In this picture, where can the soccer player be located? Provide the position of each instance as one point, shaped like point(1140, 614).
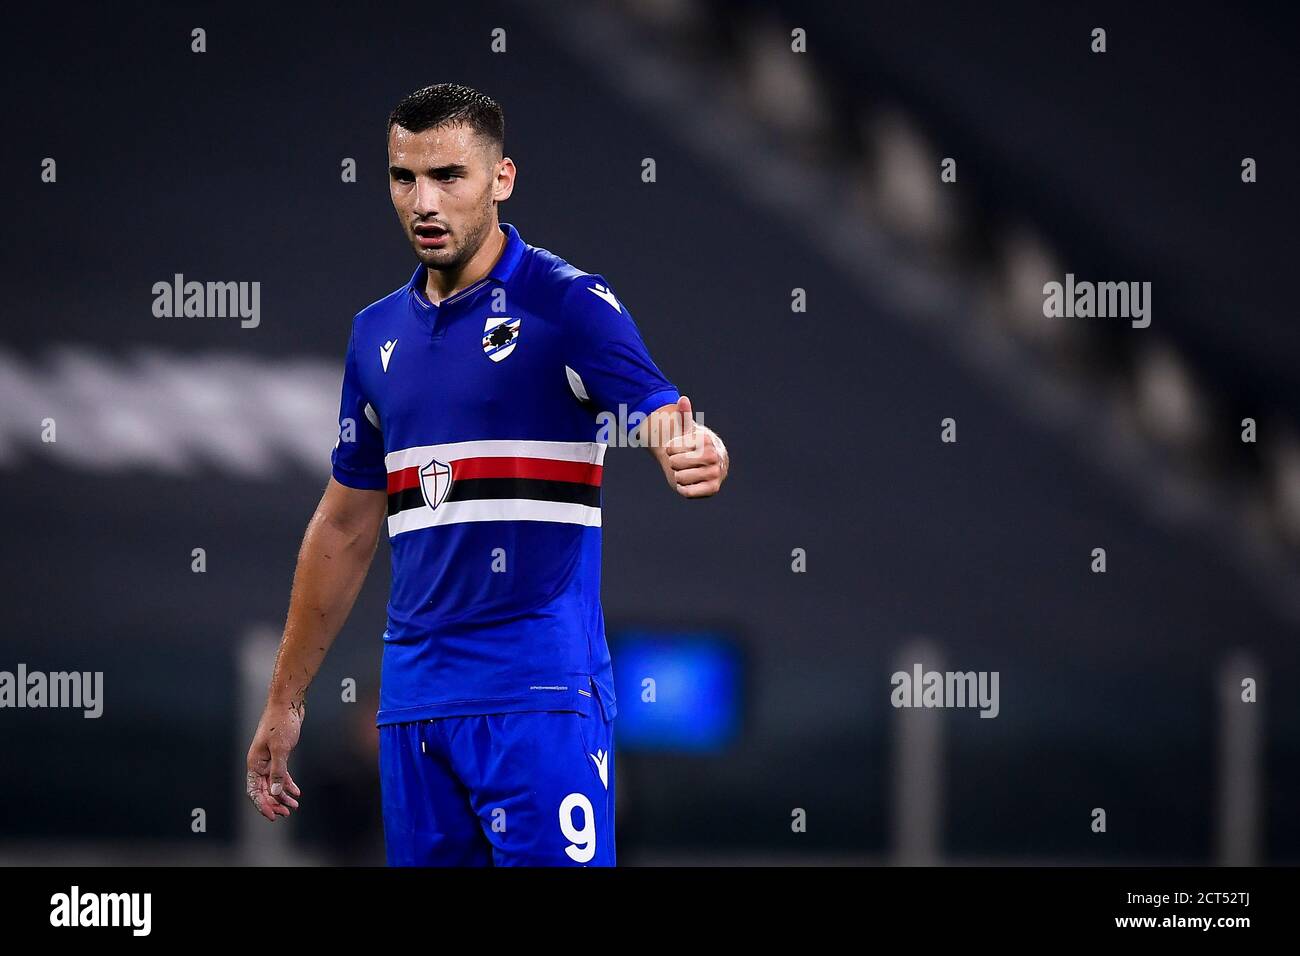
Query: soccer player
point(477, 405)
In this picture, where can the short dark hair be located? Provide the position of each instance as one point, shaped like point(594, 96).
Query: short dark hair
point(444, 104)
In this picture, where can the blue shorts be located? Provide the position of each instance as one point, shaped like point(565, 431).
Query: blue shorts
point(520, 789)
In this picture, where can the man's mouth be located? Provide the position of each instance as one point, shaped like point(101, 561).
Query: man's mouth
point(429, 236)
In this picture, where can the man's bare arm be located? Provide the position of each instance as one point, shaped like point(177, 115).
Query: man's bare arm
point(335, 557)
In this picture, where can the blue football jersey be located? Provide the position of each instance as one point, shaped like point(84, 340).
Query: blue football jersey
point(481, 418)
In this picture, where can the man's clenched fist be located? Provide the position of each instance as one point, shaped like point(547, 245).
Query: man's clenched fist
point(697, 462)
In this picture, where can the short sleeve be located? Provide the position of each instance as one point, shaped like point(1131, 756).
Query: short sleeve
point(358, 456)
point(608, 363)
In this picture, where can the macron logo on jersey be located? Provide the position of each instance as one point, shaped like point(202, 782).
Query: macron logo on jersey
point(604, 293)
point(386, 352)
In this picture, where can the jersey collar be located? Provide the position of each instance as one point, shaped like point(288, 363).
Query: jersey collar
point(505, 267)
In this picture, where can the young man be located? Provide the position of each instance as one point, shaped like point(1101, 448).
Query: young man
point(473, 419)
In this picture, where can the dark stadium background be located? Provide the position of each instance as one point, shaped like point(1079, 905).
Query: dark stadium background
point(774, 171)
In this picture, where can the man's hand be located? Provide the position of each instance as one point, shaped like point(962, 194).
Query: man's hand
point(270, 787)
point(694, 459)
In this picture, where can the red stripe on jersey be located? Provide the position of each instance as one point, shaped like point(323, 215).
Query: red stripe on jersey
point(504, 467)
point(403, 479)
point(511, 467)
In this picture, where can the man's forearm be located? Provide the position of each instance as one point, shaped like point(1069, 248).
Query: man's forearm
point(332, 565)
point(659, 427)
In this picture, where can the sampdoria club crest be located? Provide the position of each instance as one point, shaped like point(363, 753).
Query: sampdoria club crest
point(500, 333)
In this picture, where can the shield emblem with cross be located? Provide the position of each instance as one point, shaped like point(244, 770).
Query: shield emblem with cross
point(435, 482)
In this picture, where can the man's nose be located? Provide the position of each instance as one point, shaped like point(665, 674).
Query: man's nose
point(426, 197)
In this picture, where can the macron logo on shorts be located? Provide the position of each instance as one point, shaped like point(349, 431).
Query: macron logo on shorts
point(602, 766)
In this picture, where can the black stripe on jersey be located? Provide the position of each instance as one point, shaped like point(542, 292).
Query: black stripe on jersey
point(542, 489)
point(405, 500)
point(477, 489)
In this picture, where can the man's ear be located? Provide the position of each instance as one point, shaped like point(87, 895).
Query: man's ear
point(504, 179)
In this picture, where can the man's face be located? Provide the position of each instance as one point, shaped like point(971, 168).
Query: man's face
point(444, 182)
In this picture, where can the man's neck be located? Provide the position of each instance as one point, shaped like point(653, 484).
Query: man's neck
point(440, 284)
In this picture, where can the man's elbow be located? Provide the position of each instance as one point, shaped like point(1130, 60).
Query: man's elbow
point(356, 512)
